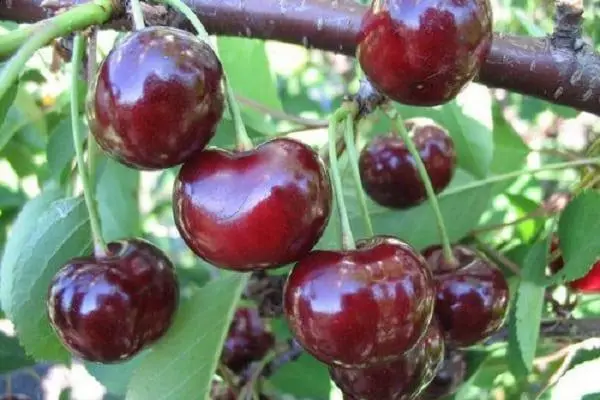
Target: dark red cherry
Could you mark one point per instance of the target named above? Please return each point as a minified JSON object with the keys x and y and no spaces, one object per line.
{"x":472,"y":297}
{"x":247,"y":340}
{"x":423,"y":52}
{"x":255,"y":209}
{"x":448,"y":378}
{"x":157,"y":98}
{"x":401,"y":379}
{"x":108,"y":308}
{"x":388,"y":172}
{"x":360,"y":307}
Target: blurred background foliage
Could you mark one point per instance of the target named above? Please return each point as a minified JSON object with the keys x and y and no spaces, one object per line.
{"x":286,"y":89}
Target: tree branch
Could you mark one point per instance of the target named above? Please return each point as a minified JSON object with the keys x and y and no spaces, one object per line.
{"x":559,"y":68}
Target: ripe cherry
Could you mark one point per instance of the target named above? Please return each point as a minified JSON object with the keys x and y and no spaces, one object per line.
{"x":424,"y":52}
{"x":388,"y":172}
{"x":247,"y":340}
{"x":448,"y":378}
{"x":255,"y":209}
{"x":472,"y":297}
{"x":360,"y":307}
{"x":401,"y":379}
{"x":157,"y":98}
{"x":108,"y":308}
{"x":589,"y":283}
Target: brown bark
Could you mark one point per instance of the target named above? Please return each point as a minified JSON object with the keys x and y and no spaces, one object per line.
{"x":559,"y":68}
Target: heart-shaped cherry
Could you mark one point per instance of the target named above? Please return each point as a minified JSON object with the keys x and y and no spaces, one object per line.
{"x":424,"y":52}
{"x":108,"y":308}
{"x":256,"y":209}
{"x":589,"y":283}
{"x":472,"y":296}
{"x":157,"y":98}
{"x":360,"y":307}
{"x":388,"y":171}
{"x":448,"y":378}
{"x":247,"y":340}
{"x":401,"y":379}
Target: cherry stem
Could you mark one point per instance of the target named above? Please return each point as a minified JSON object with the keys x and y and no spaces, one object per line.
{"x":78,"y":50}
{"x":395,"y":116}
{"x":353,"y":158}
{"x":347,"y":236}
{"x":138,"y":15}
{"x":242,"y":139}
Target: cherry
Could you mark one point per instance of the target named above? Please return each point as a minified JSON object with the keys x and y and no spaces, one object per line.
{"x":157,"y":98}
{"x":449,"y":377}
{"x":589,"y":283}
{"x":360,"y":307}
{"x":472,"y":297}
{"x":388,"y":172}
{"x":247,"y":340}
{"x":424,"y":52}
{"x":108,"y":308}
{"x":255,"y":209}
{"x":400,"y":379}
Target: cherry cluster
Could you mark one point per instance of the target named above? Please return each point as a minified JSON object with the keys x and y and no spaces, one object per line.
{"x":382,"y":314}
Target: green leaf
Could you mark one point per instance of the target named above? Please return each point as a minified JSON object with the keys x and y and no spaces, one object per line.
{"x":528,"y":308}
{"x":461,"y":210}
{"x":182,"y":364}
{"x":240,"y":55}
{"x":579,"y":382}
{"x":118,"y":185}
{"x":9,"y":199}
{"x":510,"y":152}
{"x":24,"y":113}
{"x":60,"y":151}
{"x":524,"y":206}
{"x":578,"y":229}
{"x":6,"y":101}
{"x":58,"y":234}
{"x":470,"y":123}
{"x":12,"y":355}
{"x":115,"y":377}
{"x":294,"y":376}
{"x":25,"y":223}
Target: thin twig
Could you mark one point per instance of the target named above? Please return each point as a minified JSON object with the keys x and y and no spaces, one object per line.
{"x":277,"y":114}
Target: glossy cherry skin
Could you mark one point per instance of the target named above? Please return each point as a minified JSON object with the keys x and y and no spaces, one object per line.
{"x":423,"y":52}
{"x":589,"y":283}
{"x":472,"y":297}
{"x":360,"y":307}
{"x":247,"y":340}
{"x":157,"y":98}
{"x":448,"y":378}
{"x":107,"y":309}
{"x":388,"y":172}
{"x":398,"y":380}
{"x":256,"y":209}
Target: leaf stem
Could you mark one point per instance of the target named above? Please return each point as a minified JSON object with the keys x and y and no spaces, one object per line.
{"x":347,"y":236}
{"x":138,"y":15}
{"x":393,"y":114}
{"x":37,"y":35}
{"x":353,"y":158}
{"x":516,"y":174}
{"x":78,"y":49}
{"x":241,"y":135}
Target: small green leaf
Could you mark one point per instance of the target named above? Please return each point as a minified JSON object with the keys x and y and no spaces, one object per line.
{"x":12,"y":355}
{"x":23,"y":114}
{"x":181,"y":365}
{"x":528,"y":308}
{"x":6,"y":101}
{"x":510,"y":151}
{"x":470,"y":123}
{"x":58,"y":234}
{"x":524,"y":206}
{"x":578,"y":229}
{"x":293,"y":377}
{"x":118,"y":185}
